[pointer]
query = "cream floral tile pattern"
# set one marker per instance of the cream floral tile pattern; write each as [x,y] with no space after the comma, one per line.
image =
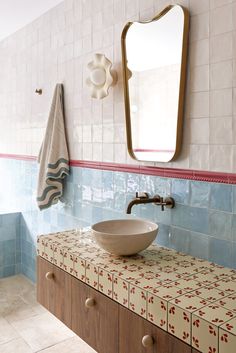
[191,298]
[120,291]
[179,315]
[227,337]
[138,300]
[205,327]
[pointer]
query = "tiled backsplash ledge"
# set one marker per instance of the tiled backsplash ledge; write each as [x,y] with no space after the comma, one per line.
[198,175]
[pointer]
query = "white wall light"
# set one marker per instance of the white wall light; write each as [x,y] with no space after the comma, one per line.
[101,76]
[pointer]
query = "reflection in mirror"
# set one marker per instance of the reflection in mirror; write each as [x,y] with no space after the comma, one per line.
[154,64]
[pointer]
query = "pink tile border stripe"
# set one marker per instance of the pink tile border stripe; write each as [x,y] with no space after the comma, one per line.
[197,175]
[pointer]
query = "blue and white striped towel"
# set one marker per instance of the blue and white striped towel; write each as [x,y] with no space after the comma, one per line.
[54,155]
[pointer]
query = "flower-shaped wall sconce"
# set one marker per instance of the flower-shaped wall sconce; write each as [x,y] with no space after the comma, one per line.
[101,76]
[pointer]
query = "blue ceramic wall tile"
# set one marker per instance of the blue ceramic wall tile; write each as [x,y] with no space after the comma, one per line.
[86,176]
[77,209]
[180,191]
[148,184]
[180,239]
[199,194]
[221,197]
[147,211]
[234,228]
[96,214]
[191,218]
[8,271]
[233,244]
[220,224]
[8,232]
[75,175]
[120,181]
[163,235]
[181,216]
[9,258]
[162,186]
[234,198]
[133,183]
[120,201]
[220,251]
[199,220]
[199,245]
[163,217]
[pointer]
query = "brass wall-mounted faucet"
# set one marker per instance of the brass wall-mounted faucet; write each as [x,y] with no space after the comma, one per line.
[143,197]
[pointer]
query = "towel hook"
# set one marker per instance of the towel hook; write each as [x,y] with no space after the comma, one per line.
[39,91]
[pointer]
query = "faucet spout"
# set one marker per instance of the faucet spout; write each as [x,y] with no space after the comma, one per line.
[130,205]
[144,198]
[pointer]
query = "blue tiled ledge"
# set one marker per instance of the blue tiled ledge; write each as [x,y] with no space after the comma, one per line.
[10,256]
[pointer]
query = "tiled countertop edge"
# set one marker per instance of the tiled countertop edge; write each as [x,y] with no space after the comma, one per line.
[106,282]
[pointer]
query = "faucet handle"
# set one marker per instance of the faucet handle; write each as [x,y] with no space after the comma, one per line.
[142,195]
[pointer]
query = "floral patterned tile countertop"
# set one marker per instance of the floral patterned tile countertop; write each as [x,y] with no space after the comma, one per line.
[192,299]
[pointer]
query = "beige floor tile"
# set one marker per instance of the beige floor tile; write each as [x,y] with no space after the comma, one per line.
[73,345]
[30,298]
[7,332]
[42,331]
[15,346]
[14,309]
[15,285]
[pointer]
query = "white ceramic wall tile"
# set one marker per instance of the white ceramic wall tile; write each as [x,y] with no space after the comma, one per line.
[200,78]
[221,131]
[199,6]
[199,157]
[200,27]
[221,102]
[221,158]
[199,52]
[199,131]
[57,47]
[221,75]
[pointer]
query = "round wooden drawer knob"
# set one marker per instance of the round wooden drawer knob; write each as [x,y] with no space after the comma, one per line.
[49,275]
[147,341]
[89,302]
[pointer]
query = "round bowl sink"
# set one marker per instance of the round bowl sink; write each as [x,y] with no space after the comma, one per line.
[124,236]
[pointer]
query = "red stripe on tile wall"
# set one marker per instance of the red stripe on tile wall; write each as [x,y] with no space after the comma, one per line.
[212,177]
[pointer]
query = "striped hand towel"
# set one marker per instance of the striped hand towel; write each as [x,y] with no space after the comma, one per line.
[54,155]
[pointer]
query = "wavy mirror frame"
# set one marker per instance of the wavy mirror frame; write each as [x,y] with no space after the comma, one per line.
[183,69]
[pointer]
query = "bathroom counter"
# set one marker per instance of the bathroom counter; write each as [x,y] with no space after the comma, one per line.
[190,298]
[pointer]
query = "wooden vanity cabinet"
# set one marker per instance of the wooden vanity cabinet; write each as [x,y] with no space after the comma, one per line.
[133,330]
[101,322]
[54,290]
[94,318]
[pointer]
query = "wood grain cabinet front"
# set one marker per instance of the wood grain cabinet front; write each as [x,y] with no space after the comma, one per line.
[54,290]
[137,335]
[95,318]
[104,324]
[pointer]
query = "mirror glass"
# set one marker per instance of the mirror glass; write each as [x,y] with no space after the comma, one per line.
[154,60]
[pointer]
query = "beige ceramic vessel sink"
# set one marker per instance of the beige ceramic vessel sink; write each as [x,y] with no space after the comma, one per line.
[124,236]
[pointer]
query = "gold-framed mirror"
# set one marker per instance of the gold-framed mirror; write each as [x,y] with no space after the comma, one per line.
[154,55]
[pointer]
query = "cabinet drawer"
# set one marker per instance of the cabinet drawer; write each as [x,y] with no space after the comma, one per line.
[95,318]
[54,290]
[133,329]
